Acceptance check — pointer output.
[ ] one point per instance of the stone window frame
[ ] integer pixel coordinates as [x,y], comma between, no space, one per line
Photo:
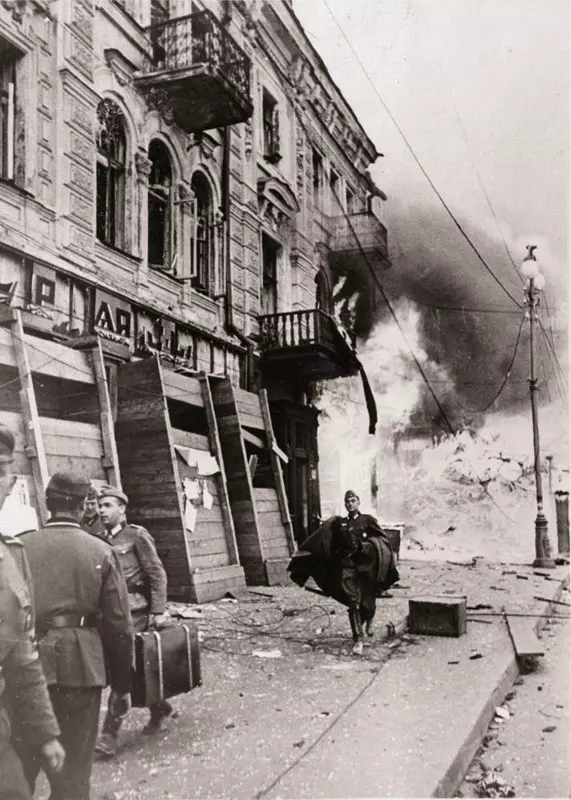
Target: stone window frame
[13,129]
[111,119]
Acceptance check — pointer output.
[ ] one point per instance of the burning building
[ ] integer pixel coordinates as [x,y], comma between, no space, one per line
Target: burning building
[184,200]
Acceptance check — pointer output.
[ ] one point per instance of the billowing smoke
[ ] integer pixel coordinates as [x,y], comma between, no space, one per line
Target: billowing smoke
[465,325]
[462,328]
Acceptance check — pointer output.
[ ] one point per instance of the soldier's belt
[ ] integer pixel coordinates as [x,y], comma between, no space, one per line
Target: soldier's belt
[68,621]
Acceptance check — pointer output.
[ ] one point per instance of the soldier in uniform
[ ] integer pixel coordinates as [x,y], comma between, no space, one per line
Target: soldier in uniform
[90,520]
[84,631]
[22,683]
[147,586]
[350,545]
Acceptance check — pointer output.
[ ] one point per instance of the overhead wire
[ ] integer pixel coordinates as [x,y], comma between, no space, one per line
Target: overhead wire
[421,167]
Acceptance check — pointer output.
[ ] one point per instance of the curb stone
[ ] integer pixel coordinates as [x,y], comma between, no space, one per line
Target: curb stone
[455,774]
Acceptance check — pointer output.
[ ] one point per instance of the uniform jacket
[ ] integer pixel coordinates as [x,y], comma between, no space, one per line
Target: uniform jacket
[76,573]
[22,683]
[93,525]
[142,567]
[348,534]
[323,558]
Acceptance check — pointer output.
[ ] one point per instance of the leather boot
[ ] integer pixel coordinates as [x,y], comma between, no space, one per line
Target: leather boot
[357,631]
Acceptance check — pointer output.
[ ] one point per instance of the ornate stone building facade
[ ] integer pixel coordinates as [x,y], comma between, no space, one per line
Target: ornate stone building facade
[184,181]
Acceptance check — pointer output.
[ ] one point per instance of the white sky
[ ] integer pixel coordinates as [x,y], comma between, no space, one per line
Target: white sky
[474,84]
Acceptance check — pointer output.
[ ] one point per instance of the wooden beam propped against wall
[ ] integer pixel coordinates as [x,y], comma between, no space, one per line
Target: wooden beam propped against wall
[34,446]
[277,470]
[110,458]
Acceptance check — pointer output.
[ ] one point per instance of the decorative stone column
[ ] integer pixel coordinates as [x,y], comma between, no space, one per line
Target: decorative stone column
[143,167]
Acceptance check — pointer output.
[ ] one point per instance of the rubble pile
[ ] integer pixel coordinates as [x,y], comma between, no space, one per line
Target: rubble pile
[469,495]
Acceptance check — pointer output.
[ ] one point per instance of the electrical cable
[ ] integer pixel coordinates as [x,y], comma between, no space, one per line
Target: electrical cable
[504,381]
[421,167]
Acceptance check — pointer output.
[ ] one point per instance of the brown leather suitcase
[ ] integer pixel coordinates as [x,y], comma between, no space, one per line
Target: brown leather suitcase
[167,663]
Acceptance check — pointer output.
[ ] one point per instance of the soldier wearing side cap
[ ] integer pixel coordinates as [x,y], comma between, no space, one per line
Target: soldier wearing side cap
[350,544]
[147,585]
[90,519]
[84,631]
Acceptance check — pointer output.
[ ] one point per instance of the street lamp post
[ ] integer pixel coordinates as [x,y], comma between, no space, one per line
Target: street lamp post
[533,286]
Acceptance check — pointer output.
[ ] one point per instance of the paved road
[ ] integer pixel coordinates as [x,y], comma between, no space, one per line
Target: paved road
[531,751]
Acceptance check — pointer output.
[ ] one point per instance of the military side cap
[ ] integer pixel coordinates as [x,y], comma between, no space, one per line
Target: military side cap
[112,491]
[66,486]
[350,493]
[7,444]
[92,493]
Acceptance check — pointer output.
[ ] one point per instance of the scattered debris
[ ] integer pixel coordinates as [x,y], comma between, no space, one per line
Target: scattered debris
[275,653]
[494,785]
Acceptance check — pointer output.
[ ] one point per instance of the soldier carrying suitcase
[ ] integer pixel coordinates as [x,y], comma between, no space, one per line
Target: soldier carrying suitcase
[147,586]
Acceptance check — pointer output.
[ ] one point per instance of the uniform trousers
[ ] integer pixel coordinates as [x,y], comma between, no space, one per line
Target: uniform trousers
[77,711]
[13,784]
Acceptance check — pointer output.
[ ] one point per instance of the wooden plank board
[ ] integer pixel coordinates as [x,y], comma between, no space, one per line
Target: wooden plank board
[34,447]
[110,457]
[277,471]
[220,574]
[250,421]
[181,387]
[47,358]
[209,560]
[221,479]
[525,642]
[193,440]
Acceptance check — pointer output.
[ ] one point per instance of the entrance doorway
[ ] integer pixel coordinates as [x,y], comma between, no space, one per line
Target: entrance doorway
[295,427]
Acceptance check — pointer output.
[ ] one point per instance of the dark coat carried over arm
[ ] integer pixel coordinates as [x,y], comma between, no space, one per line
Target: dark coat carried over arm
[319,557]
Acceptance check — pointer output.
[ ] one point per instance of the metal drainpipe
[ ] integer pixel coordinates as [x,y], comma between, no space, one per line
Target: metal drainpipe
[229,301]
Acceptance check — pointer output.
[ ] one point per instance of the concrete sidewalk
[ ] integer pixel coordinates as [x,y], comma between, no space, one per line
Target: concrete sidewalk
[286,712]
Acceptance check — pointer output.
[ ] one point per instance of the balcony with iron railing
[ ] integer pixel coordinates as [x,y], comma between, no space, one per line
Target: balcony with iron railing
[358,241]
[306,345]
[196,73]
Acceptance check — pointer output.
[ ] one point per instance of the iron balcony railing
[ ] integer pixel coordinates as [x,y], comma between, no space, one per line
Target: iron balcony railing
[198,39]
[300,328]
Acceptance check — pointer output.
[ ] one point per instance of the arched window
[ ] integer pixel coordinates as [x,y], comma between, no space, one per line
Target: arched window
[161,228]
[111,155]
[204,237]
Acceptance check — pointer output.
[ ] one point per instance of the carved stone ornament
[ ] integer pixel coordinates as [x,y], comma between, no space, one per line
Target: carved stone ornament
[206,144]
[19,8]
[248,138]
[158,99]
[143,166]
[277,203]
[121,68]
[300,160]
